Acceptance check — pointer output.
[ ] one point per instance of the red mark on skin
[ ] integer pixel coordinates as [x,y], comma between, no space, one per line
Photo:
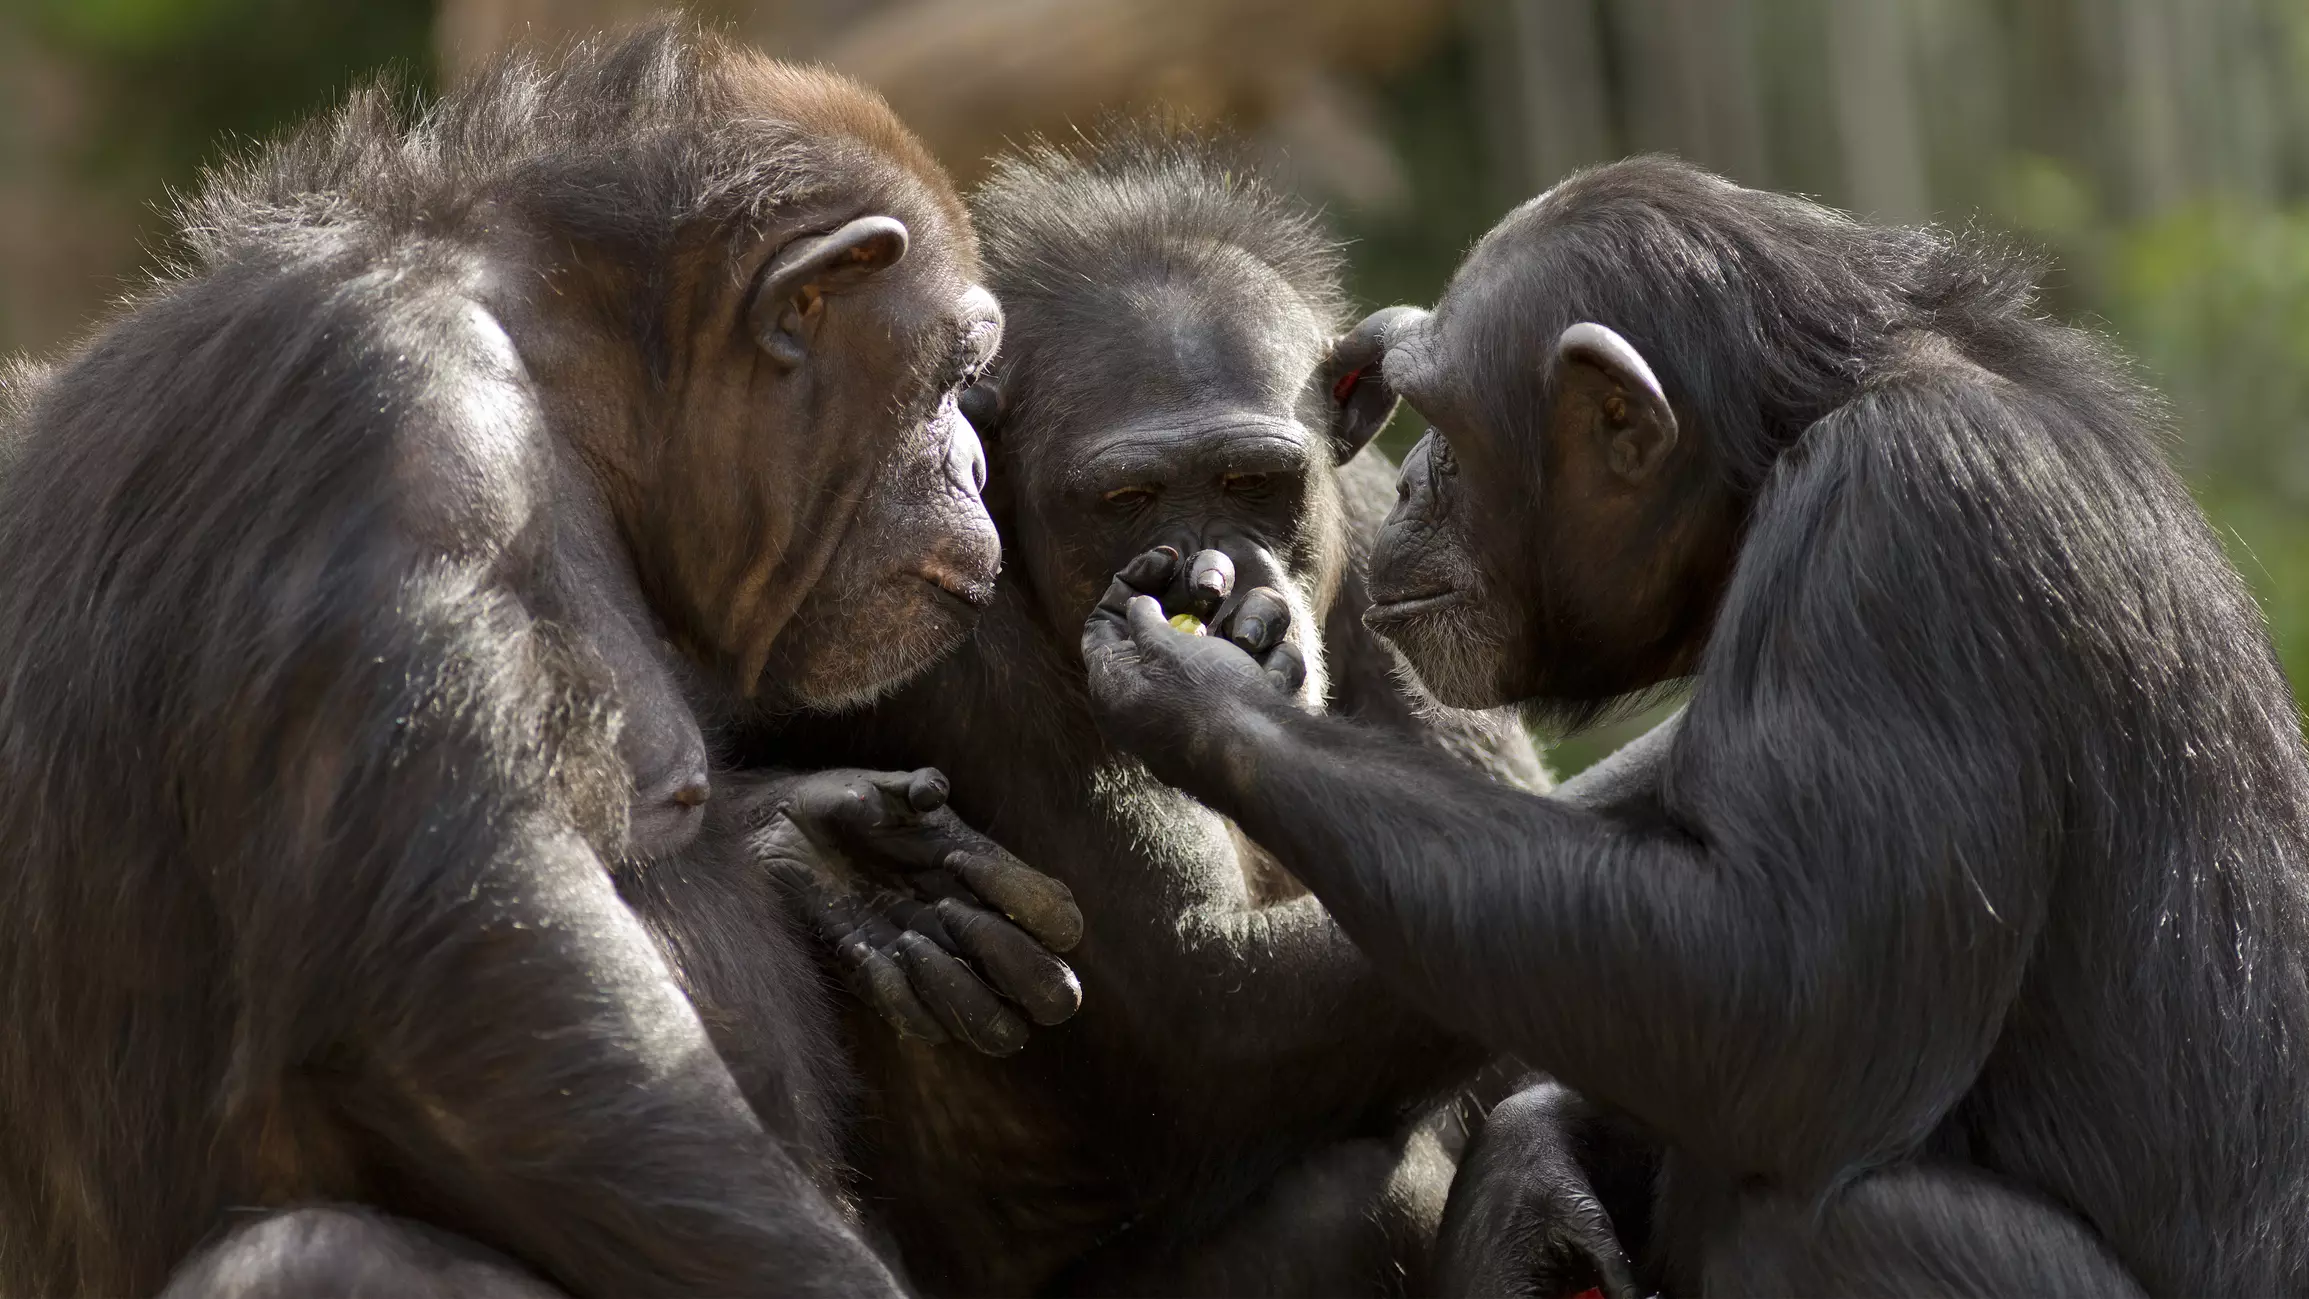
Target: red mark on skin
[1592,1292]
[1340,392]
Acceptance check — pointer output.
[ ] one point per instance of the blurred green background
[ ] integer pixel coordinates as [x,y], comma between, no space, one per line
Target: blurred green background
[2157,151]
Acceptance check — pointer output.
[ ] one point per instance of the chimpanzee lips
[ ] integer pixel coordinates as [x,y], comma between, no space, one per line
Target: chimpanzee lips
[970,591]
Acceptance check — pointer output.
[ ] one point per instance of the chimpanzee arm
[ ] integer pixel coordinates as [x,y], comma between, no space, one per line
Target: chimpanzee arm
[403,813]
[459,959]
[1802,955]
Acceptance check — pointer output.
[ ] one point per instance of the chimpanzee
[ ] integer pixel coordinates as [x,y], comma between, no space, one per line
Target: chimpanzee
[320,567]
[1222,1116]
[1956,942]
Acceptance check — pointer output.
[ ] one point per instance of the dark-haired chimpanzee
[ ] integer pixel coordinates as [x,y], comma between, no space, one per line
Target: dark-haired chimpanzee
[1958,942]
[1194,1129]
[327,568]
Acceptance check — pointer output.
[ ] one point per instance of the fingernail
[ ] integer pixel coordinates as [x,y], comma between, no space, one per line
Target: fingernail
[1251,629]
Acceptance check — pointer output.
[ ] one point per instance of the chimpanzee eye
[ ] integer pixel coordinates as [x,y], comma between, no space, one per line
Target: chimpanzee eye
[1130,498]
[1245,484]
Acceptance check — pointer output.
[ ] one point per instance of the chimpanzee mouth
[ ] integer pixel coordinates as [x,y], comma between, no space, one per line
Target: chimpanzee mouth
[955,589]
[1403,610]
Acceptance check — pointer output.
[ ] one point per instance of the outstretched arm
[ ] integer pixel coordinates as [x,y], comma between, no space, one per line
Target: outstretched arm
[1735,964]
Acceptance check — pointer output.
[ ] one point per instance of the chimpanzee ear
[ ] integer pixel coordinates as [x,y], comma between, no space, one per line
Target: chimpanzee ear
[1353,389]
[1613,387]
[790,298]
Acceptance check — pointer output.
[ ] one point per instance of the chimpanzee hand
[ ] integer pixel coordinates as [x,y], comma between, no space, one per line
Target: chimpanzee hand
[900,890]
[1522,1219]
[1158,690]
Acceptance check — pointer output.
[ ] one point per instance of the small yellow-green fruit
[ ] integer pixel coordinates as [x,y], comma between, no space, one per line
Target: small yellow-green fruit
[1187,623]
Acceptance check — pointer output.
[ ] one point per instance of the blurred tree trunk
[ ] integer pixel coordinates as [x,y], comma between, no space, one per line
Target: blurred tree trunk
[67,242]
[1871,72]
[1547,78]
[1689,84]
[467,32]
[972,75]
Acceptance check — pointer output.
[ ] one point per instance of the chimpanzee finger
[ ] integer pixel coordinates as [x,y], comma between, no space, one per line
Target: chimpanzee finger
[1042,906]
[926,790]
[873,799]
[1150,572]
[877,981]
[1202,585]
[851,797]
[1257,622]
[855,932]
[1284,668]
[939,840]
[1585,1243]
[967,1007]
[1145,617]
[1015,964]
[905,913]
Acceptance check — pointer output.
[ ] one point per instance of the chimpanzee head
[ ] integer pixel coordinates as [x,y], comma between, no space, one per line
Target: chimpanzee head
[749,298]
[1167,319]
[1608,379]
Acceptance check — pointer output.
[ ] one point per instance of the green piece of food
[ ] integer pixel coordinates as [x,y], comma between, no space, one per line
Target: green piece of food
[1188,623]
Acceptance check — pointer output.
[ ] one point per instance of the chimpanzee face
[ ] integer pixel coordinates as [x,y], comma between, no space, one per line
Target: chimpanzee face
[831,413]
[918,559]
[1179,418]
[784,452]
[1554,542]
[1447,575]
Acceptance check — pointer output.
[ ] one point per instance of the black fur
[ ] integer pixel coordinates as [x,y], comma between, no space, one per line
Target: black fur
[1971,889]
[1234,1065]
[309,764]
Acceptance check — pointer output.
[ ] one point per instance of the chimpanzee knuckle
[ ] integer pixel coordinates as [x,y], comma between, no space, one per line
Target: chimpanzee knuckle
[962,1002]
[927,790]
[927,922]
[1015,964]
[1260,620]
[1150,572]
[1041,905]
[1286,670]
[877,981]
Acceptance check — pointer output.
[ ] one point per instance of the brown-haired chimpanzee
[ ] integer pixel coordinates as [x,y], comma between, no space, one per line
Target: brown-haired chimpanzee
[1958,941]
[327,568]
[1222,1117]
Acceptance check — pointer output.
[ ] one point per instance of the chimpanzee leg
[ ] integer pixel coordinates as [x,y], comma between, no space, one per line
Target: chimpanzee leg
[1553,1197]
[1354,1218]
[1918,1229]
[337,1252]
